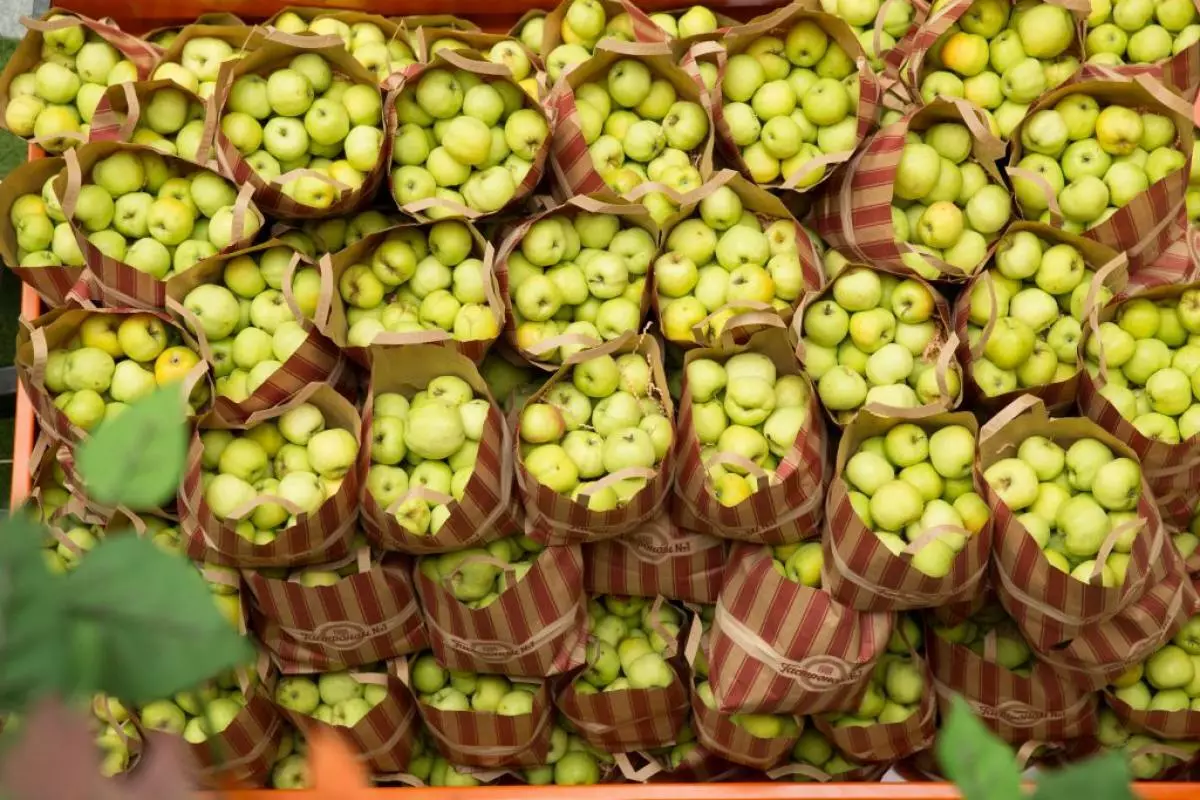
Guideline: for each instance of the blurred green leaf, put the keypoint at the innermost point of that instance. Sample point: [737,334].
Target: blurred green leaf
[1105,777]
[151,619]
[982,766]
[136,459]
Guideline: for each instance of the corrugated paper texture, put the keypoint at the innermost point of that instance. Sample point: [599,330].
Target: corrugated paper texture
[658,558]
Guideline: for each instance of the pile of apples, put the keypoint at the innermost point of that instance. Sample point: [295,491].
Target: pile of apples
[464,139]
[1095,157]
[335,698]
[249,327]
[297,458]
[627,645]
[570,762]
[932,488]
[943,203]
[116,360]
[874,339]
[419,279]
[366,41]
[1012,652]
[861,14]
[1040,288]
[790,102]
[1144,766]
[197,715]
[720,258]
[1069,500]
[1001,56]
[436,435]
[290,767]
[603,418]
[171,122]
[447,690]
[743,407]
[54,102]
[199,63]
[478,585]
[1152,361]
[582,273]
[637,130]
[897,684]
[509,52]
[305,115]
[814,750]
[799,563]
[1134,32]
[760,726]
[1169,680]
[331,234]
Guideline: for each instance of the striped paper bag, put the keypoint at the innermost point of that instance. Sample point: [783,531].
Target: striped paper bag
[645,29]
[120,110]
[316,538]
[1050,606]
[1179,263]
[52,283]
[658,558]
[1179,72]
[780,647]
[1177,725]
[536,628]
[861,572]
[221,18]
[787,508]
[488,510]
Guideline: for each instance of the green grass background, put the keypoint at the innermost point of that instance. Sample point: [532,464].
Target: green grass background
[12,153]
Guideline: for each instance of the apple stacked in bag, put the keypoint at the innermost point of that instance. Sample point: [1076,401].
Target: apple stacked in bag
[1151,352]
[1011,650]
[306,116]
[330,234]
[297,458]
[606,418]
[943,203]
[787,105]
[478,584]
[44,237]
[908,482]
[583,274]
[116,360]
[1070,500]
[1187,540]
[464,139]
[744,408]
[198,714]
[199,62]
[1141,750]
[289,769]
[80,538]
[721,261]
[583,26]
[875,339]
[761,726]
[1169,680]
[1137,32]
[799,563]
[637,129]
[1095,157]
[897,683]
[1001,57]
[861,16]
[1035,293]
[335,698]
[449,690]
[366,41]
[246,320]
[54,102]
[695,21]
[628,645]
[419,279]
[814,750]
[136,208]
[171,122]
[509,52]
[429,441]
[674,755]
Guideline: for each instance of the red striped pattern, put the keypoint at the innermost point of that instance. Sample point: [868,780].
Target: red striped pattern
[1161,724]
[249,743]
[628,720]
[718,733]
[657,559]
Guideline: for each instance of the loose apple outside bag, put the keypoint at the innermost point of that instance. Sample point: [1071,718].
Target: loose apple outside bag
[52,284]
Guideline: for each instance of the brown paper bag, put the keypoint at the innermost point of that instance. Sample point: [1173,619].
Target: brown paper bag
[221,18]
[543,352]
[369,616]
[779,647]
[275,50]
[1180,72]
[488,510]
[317,360]
[658,558]
[536,628]
[646,29]
[314,539]
[1143,228]
[120,108]
[1162,724]
[552,28]
[555,519]
[1050,606]
[1179,263]
[28,55]
[427,37]
[1111,272]
[120,283]
[777,23]
[854,213]
[860,571]
[788,508]
[52,284]
[331,319]
[1172,471]
[474,63]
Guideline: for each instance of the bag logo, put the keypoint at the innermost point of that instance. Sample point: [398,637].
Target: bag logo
[821,673]
[1015,713]
[342,634]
